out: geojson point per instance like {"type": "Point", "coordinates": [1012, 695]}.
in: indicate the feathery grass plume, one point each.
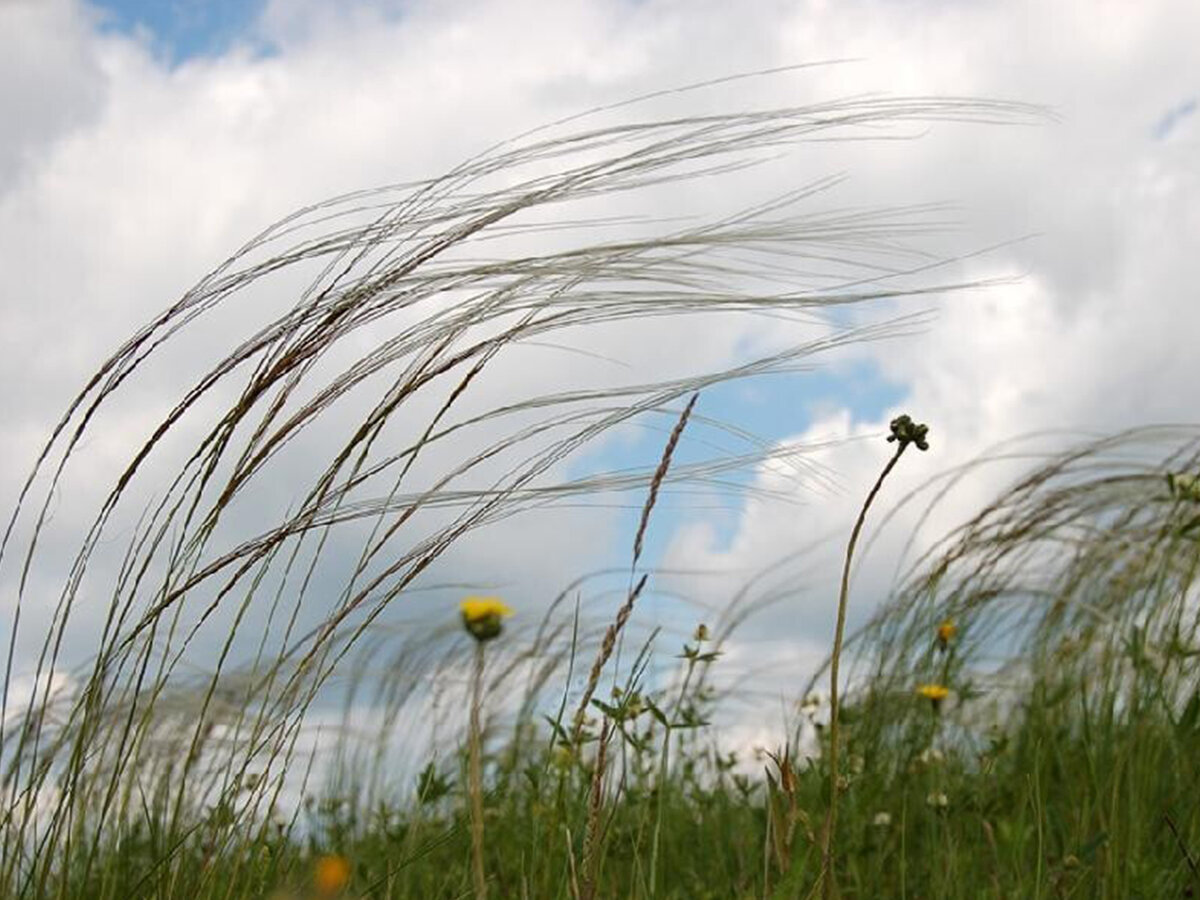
{"type": "Point", "coordinates": [904, 431]}
{"type": "Point", "coordinates": [349, 415]}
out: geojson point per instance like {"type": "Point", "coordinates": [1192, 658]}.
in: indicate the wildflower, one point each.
{"type": "Point", "coordinates": [934, 693]}
{"type": "Point", "coordinates": [937, 800]}
{"type": "Point", "coordinates": [482, 616]}
{"type": "Point", "coordinates": [332, 873]}
{"type": "Point", "coordinates": [946, 632]}
{"type": "Point", "coordinates": [882, 819]}
{"type": "Point", "coordinates": [931, 756]}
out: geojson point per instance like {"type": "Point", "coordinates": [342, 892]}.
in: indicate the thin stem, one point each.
{"type": "Point", "coordinates": [827, 875]}
{"type": "Point", "coordinates": [664, 771]}
{"type": "Point", "coordinates": [475, 774]}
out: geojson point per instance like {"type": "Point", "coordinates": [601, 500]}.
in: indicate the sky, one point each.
{"type": "Point", "coordinates": [144, 142]}
{"type": "Point", "coordinates": [179, 30]}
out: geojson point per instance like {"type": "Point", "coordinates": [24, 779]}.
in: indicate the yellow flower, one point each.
{"type": "Point", "coordinates": [934, 693]}
{"type": "Point", "coordinates": [482, 616]}
{"type": "Point", "coordinates": [946, 632]}
{"type": "Point", "coordinates": [332, 873]}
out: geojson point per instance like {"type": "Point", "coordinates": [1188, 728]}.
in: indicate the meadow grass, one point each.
{"type": "Point", "coordinates": [1064, 770]}
{"type": "Point", "coordinates": [1020, 718]}
{"type": "Point", "coordinates": [1059, 767]}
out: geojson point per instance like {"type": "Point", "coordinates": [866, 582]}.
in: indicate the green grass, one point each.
{"type": "Point", "coordinates": [1066, 772]}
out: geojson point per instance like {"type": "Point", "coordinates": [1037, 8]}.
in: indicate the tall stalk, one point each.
{"type": "Point", "coordinates": [483, 618]}
{"type": "Point", "coordinates": [475, 776]}
{"type": "Point", "coordinates": [904, 432]}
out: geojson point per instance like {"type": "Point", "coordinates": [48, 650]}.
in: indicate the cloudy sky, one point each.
{"type": "Point", "coordinates": [144, 141]}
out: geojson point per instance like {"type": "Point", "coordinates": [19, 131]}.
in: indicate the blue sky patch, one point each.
{"type": "Point", "coordinates": [771, 407]}
{"type": "Point", "coordinates": [182, 29]}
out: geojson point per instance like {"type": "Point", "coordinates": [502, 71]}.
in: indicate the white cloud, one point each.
{"type": "Point", "coordinates": [48, 69]}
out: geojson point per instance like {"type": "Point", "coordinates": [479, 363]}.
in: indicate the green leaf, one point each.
{"type": "Point", "coordinates": [557, 728]}
{"type": "Point", "coordinates": [613, 712]}
{"type": "Point", "coordinates": [658, 714]}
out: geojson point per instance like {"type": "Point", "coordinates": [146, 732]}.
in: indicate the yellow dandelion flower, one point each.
{"type": "Point", "coordinates": [934, 693]}
{"type": "Point", "coordinates": [331, 875]}
{"type": "Point", "coordinates": [482, 616]}
{"type": "Point", "coordinates": [946, 632]}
